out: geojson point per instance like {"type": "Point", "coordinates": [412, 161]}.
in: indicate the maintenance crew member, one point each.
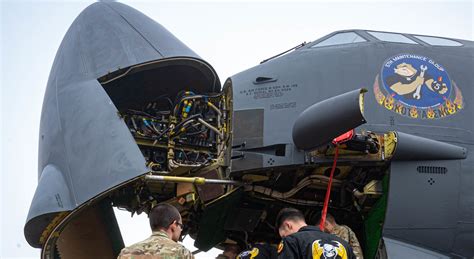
{"type": "Point", "coordinates": [344, 232]}
{"type": "Point", "coordinates": [302, 241]}
{"type": "Point", "coordinates": [166, 225]}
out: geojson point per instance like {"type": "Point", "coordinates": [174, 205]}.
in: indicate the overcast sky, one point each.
{"type": "Point", "coordinates": [231, 36]}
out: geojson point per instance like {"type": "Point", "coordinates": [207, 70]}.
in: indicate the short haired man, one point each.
{"type": "Point", "coordinates": [166, 225]}
{"type": "Point", "coordinates": [302, 241]}
{"type": "Point", "coordinates": [344, 232]}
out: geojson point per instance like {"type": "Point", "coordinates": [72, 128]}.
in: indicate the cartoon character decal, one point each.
{"type": "Point", "coordinates": [417, 87]}
{"type": "Point", "coordinates": [333, 250]}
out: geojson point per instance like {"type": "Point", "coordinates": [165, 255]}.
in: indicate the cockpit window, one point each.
{"type": "Point", "coordinates": [391, 37]}
{"type": "Point", "coordinates": [435, 41]}
{"type": "Point", "coordinates": [340, 38]}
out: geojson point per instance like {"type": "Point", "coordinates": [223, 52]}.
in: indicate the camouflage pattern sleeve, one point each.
{"type": "Point", "coordinates": [342, 232]}
{"type": "Point", "coordinates": [346, 233]}
{"type": "Point", "coordinates": [354, 243]}
{"type": "Point", "coordinates": [156, 247]}
{"type": "Point", "coordinates": [186, 253]}
{"type": "Point", "coordinates": [176, 253]}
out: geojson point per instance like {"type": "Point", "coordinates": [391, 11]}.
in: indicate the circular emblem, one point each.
{"type": "Point", "coordinates": [417, 87]}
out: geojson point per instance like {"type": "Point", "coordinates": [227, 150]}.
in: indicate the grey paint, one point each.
{"type": "Point", "coordinates": [85, 149]}
{"type": "Point", "coordinates": [248, 128]}
{"type": "Point", "coordinates": [246, 161]}
{"type": "Point", "coordinates": [410, 147]}
{"type": "Point", "coordinates": [101, 152]}
{"type": "Point", "coordinates": [317, 125]}
{"type": "Point", "coordinates": [53, 193]}
{"type": "Point", "coordinates": [52, 196]}
{"type": "Point", "coordinates": [423, 206]}
{"type": "Point", "coordinates": [398, 249]}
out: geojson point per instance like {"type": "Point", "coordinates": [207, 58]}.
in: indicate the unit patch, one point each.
{"type": "Point", "coordinates": [333, 250]}
{"type": "Point", "coordinates": [417, 87]}
{"type": "Point", "coordinates": [280, 247]}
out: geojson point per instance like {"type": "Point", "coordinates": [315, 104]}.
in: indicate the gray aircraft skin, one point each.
{"type": "Point", "coordinates": [110, 129]}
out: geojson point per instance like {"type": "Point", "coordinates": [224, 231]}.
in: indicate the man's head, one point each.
{"type": "Point", "coordinates": [329, 223]}
{"type": "Point", "coordinates": [289, 221]}
{"type": "Point", "coordinates": [166, 218]}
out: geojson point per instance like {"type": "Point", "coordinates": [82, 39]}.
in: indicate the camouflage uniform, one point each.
{"type": "Point", "coordinates": [157, 246]}
{"type": "Point", "coordinates": [346, 233]}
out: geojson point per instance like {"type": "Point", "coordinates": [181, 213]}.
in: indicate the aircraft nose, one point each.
{"type": "Point", "coordinates": [109, 36]}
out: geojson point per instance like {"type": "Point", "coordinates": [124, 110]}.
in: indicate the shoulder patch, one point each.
{"type": "Point", "coordinates": [332, 249]}
{"type": "Point", "coordinates": [251, 254]}
{"type": "Point", "coordinates": [280, 247]}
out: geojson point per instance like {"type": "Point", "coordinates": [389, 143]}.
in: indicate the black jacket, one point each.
{"type": "Point", "coordinates": [310, 242]}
